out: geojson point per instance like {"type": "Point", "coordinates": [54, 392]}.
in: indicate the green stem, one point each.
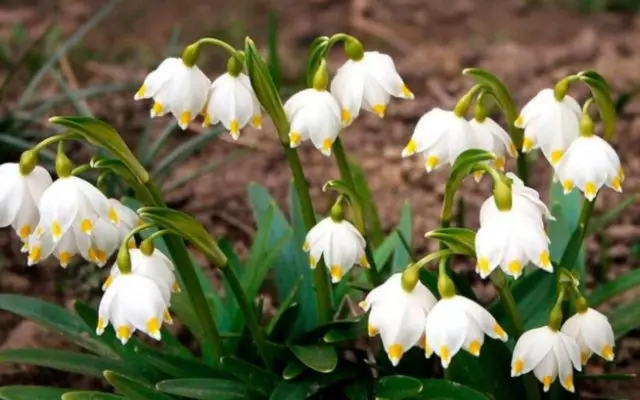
{"type": "Point", "coordinates": [323, 295]}
{"type": "Point", "coordinates": [571, 253]}
{"type": "Point", "coordinates": [54, 139]}
{"type": "Point", "coordinates": [224, 45]}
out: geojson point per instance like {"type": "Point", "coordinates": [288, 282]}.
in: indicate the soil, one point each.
{"type": "Point", "coordinates": [528, 46]}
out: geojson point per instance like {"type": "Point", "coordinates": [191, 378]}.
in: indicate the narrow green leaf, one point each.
{"type": "Point", "coordinates": [599, 222]}
{"type": "Point", "coordinates": [401, 256]}
{"type": "Point", "coordinates": [176, 366]}
{"type": "Point", "coordinates": [463, 165]}
{"type": "Point", "coordinates": [442, 389]}
{"type": "Point", "coordinates": [285, 306]}
{"type": "Point", "coordinates": [293, 370]}
{"type": "Point", "coordinates": [383, 253]}
{"type": "Point", "coordinates": [347, 331]}
{"type": "Point", "coordinates": [371, 214]}
{"type": "Point", "coordinates": [459, 240]}
{"type": "Point", "coordinates": [359, 390]}
{"type": "Point", "coordinates": [323, 359]}
{"type": "Point", "coordinates": [602, 96]}
{"type": "Point", "coordinates": [207, 389]}
{"type": "Point", "coordinates": [310, 385]}
{"type": "Point", "coordinates": [257, 379]}
{"type": "Point", "coordinates": [625, 318]}
{"type": "Point", "coordinates": [31, 393]}
{"type": "Point", "coordinates": [316, 52]}
{"type": "Point", "coordinates": [616, 287]}
{"type": "Point", "coordinates": [86, 395]}
{"type": "Point", "coordinates": [131, 389]}
{"type": "Point", "coordinates": [396, 387]}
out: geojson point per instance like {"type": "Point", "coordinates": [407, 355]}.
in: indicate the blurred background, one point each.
{"type": "Point", "coordinates": [88, 57]}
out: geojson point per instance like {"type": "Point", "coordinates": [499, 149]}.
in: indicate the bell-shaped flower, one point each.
{"type": "Point", "coordinates": [367, 83]}
{"type": "Point", "coordinates": [131, 303]}
{"type": "Point", "coordinates": [589, 163]}
{"type": "Point", "coordinates": [549, 354]}
{"type": "Point", "coordinates": [313, 114]}
{"type": "Point", "coordinates": [549, 124]}
{"type": "Point", "coordinates": [456, 323]}
{"type": "Point", "coordinates": [592, 332]}
{"type": "Point", "coordinates": [122, 217]}
{"type": "Point", "coordinates": [233, 102]}
{"type": "Point", "coordinates": [340, 245]}
{"type": "Point", "coordinates": [440, 136]}
{"type": "Point", "coordinates": [398, 315]}
{"type": "Point", "coordinates": [73, 220]}
{"type": "Point", "coordinates": [492, 137]}
{"type": "Point", "coordinates": [176, 88]}
{"type": "Point", "coordinates": [19, 198]}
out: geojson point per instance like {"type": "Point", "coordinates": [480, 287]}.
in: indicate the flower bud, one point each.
{"type": "Point", "coordinates": [28, 162]}
{"type": "Point", "coordinates": [354, 49]}
{"type": "Point", "coordinates": [190, 54]}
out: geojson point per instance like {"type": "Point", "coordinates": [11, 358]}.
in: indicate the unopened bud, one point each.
{"type": "Point", "coordinates": [28, 161]}
{"type": "Point", "coordinates": [354, 48]}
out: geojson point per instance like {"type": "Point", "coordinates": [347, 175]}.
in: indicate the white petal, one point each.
{"type": "Point", "coordinates": [445, 330]}
{"type": "Point", "coordinates": [481, 317]}
{"type": "Point", "coordinates": [347, 88]}
{"type": "Point", "coordinates": [38, 181]}
{"type": "Point", "coordinates": [597, 333]}
{"type": "Point", "coordinates": [530, 349]}
{"type": "Point", "coordinates": [489, 243]}
{"type": "Point", "coordinates": [12, 193]}
{"type": "Point", "coordinates": [547, 369]}
{"type": "Point", "coordinates": [59, 204]}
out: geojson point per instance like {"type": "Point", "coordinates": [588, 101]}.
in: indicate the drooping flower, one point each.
{"type": "Point", "coordinates": [490, 136]}
{"type": "Point", "coordinates": [549, 124]}
{"type": "Point", "coordinates": [549, 354]}
{"type": "Point", "coordinates": [397, 315]}
{"type": "Point", "coordinates": [124, 218]}
{"type": "Point", "coordinates": [340, 245]}
{"type": "Point", "coordinates": [73, 220]}
{"type": "Point", "coordinates": [19, 197]}
{"type": "Point", "coordinates": [440, 136]}
{"type": "Point", "coordinates": [592, 332]}
{"type": "Point", "coordinates": [313, 115]}
{"type": "Point", "coordinates": [132, 302]}
{"type": "Point", "coordinates": [456, 323]}
{"type": "Point", "coordinates": [590, 163]}
{"type": "Point", "coordinates": [233, 102]}
{"type": "Point", "coordinates": [176, 88]}
{"type": "Point", "coordinates": [367, 83]}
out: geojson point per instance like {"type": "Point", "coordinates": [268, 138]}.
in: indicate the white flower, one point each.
{"type": "Point", "coordinates": [155, 266]}
{"type": "Point", "coordinates": [440, 136]}
{"type": "Point", "coordinates": [73, 220]}
{"type": "Point", "coordinates": [131, 303]}
{"type": "Point", "coordinates": [589, 163]}
{"type": "Point", "coordinates": [549, 124]}
{"type": "Point", "coordinates": [397, 315]}
{"type": "Point", "coordinates": [492, 137]}
{"type": "Point", "coordinates": [124, 218]}
{"type": "Point", "coordinates": [593, 333]}
{"type": "Point", "coordinates": [456, 323]}
{"type": "Point", "coordinates": [313, 114]}
{"type": "Point", "coordinates": [339, 243]}
{"type": "Point", "coordinates": [233, 102]}
{"type": "Point", "coordinates": [368, 83]}
{"type": "Point", "coordinates": [19, 197]}
{"type": "Point", "coordinates": [176, 88]}
{"type": "Point", "coordinates": [548, 353]}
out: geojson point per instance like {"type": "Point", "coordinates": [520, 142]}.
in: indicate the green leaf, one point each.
{"type": "Point", "coordinates": [293, 370]}
{"type": "Point", "coordinates": [186, 226]}
{"type": "Point", "coordinates": [310, 384]}
{"type": "Point", "coordinates": [257, 379]}
{"type": "Point", "coordinates": [316, 53]}
{"type": "Point", "coordinates": [401, 256]}
{"type": "Point", "coordinates": [599, 222]}
{"type": "Point", "coordinates": [56, 319]}
{"type": "Point", "coordinates": [616, 287]}
{"type": "Point", "coordinates": [101, 134]}
{"type": "Point", "coordinates": [370, 211]}
{"type": "Point", "coordinates": [359, 390]}
{"type": "Point", "coordinates": [176, 366]}
{"type": "Point", "coordinates": [459, 240]}
{"type": "Point", "coordinates": [602, 95]}
{"type": "Point", "coordinates": [272, 42]}
{"type": "Point", "coordinates": [346, 330]}
{"type": "Point", "coordinates": [206, 389]}
{"type": "Point", "coordinates": [286, 305]}
{"type": "Point", "coordinates": [625, 318]}
{"type": "Point", "coordinates": [323, 359]}
{"type": "Point", "coordinates": [441, 389]}
{"type": "Point", "coordinates": [31, 393]}
{"type": "Point", "coordinates": [131, 389]}
{"type": "Point", "coordinates": [397, 387]}
{"type": "Point", "coordinates": [383, 253]}
{"type": "Point", "coordinates": [463, 165]}
{"type": "Point", "coordinates": [87, 395]}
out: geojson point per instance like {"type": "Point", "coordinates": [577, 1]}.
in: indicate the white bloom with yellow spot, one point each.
{"type": "Point", "coordinates": [233, 102]}
{"type": "Point", "coordinates": [590, 163]}
{"type": "Point", "coordinates": [313, 115]}
{"type": "Point", "coordinates": [549, 354]}
{"type": "Point", "coordinates": [397, 315]}
{"type": "Point", "coordinates": [176, 88]}
{"type": "Point", "coordinates": [122, 217]}
{"type": "Point", "coordinates": [73, 220]}
{"type": "Point", "coordinates": [440, 136]}
{"type": "Point", "coordinates": [19, 198]}
{"type": "Point", "coordinates": [456, 323]}
{"type": "Point", "coordinates": [367, 83]}
{"type": "Point", "coordinates": [132, 302]}
{"type": "Point", "coordinates": [340, 245]}
{"type": "Point", "coordinates": [490, 136]}
{"type": "Point", "coordinates": [593, 333]}
{"type": "Point", "coordinates": [549, 124]}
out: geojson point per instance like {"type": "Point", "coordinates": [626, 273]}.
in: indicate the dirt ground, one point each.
{"type": "Point", "coordinates": [529, 47]}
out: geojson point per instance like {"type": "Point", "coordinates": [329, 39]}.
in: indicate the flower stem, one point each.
{"type": "Point", "coordinates": [571, 251]}
{"type": "Point", "coordinates": [323, 295]}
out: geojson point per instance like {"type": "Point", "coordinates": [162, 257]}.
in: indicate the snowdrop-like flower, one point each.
{"type": "Point", "coordinates": [176, 88]}
{"type": "Point", "coordinates": [549, 124]}
{"type": "Point", "coordinates": [397, 315]}
{"type": "Point", "coordinates": [19, 197]}
{"type": "Point", "coordinates": [131, 303]}
{"type": "Point", "coordinates": [73, 220]}
{"type": "Point", "coordinates": [492, 137]}
{"type": "Point", "coordinates": [456, 323]}
{"type": "Point", "coordinates": [593, 333]}
{"type": "Point", "coordinates": [339, 243]}
{"type": "Point", "coordinates": [367, 83]}
{"type": "Point", "coordinates": [124, 218]}
{"type": "Point", "coordinates": [233, 102]}
{"type": "Point", "coordinates": [313, 114]}
{"type": "Point", "coordinates": [589, 163]}
{"type": "Point", "coordinates": [548, 353]}
{"type": "Point", "coordinates": [440, 136]}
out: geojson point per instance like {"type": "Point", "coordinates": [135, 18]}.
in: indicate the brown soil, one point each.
{"type": "Point", "coordinates": [529, 47]}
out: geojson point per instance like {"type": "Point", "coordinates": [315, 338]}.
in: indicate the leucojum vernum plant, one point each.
{"type": "Point", "coordinates": [339, 279]}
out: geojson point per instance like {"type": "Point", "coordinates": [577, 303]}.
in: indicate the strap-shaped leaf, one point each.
{"type": "Point", "coordinates": [459, 240]}
{"type": "Point", "coordinates": [602, 95]}
{"type": "Point", "coordinates": [465, 162]}
{"type": "Point", "coordinates": [625, 318]}
{"type": "Point", "coordinates": [444, 389]}
{"type": "Point", "coordinates": [257, 379]}
{"type": "Point", "coordinates": [293, 369]}
{"type": "Point", "coordinates": [206, 389]}
{"type": "Point", "coordinates": [31, 393]}
{"type": "Point", "coordinates": [323, 359]}
{"type": "Point", "coordinates": [87, 395]}
{"type": "Point", "coordinates": [176, 366]}
{"type": "Point", "coordinates": [310, 384]}
{"type": "Point", "coordinates": [616, 287]}
{"type": "Point", "coordinates": [132, 389]}
{"type": "Point", "coordinates": [397, 387]}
